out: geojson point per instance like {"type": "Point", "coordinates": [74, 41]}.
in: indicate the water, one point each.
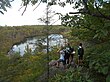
{"type": "Point", "coordinates": [33, 43]}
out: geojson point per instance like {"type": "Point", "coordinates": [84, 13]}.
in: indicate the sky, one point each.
{"type": "Point", "coordinates": [13, 16]}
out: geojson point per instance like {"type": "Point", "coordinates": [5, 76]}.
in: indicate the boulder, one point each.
{"type": "Point", "coordinates": [53, 63]}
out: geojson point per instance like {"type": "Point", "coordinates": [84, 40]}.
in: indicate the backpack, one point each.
{"type": "Point", "coordinates": [80, 51]}
{"type": "Point", "coordinates": [72, 49]}
{"type": "Point", "coordinates": [68, 50]}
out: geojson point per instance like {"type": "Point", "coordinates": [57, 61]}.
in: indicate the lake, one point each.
{"type": "Point", "coordinates": [39, 41]}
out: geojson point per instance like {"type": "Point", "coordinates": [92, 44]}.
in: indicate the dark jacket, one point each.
{"type": "Point", "coordinates": [80, 51]}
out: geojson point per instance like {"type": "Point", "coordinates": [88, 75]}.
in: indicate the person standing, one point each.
{"type": "Point", "coordinates": [80, 54]}
{"type": "Point", "coordinates": [72, 54]}
{"type": "Point", "coordinates": [67, 53]}
{"type": "Point", "coordinates": [61, 59]}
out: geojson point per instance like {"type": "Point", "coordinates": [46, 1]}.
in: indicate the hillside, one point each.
{"type": "Point", "coordinates": [32, 68]}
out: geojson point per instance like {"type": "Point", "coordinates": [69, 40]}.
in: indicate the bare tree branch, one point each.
{"type": "Point", "coordinates": [24, 9]}
{"type": "Point", "coordinates": [86, 10]}
{"type": "Point", "coordinates": [99, 10]}
{"type": "Point", "coordinates": [85, 5]}
{"type": "Point", "coordinates": [38, 5]}
{"type": "Point", "coordinates": [55, 21]}
{"type": "Point", "coordinates": [92, 14]}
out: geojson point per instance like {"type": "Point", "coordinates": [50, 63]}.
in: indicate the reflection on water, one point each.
{"type": "Point", "coordinates": [33, 43]}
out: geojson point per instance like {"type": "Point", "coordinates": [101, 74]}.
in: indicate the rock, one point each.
{"type": "Point", "coordinates": [53, 63]}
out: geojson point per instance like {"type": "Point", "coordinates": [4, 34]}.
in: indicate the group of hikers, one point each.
{"type": "Point", "coordinates": [67, 53]}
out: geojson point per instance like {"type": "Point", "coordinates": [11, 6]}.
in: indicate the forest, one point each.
{"type": "Point", "coordinates": [26, 68]}
{"type": "Point", "coordinates": [89, 25]}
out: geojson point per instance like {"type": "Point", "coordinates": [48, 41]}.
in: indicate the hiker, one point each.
{"type": "Point", "coordinates": [72, 54]}
{"type": "Point", "coordinates": [67, 53]}
{"type": "Point", "coordinates": [80, 54]}
{"type": "Point", "coordinates": [61, 59]}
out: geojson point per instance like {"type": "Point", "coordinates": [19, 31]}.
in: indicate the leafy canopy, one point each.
{"type": "Point", "coordinates": [83, 6]}
{"type": "Point", "coordinates": [4, 4]}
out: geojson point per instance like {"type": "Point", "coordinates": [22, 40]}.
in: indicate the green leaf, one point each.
{"type": "Point", "coordinates": [105, 32]}
{"type": "Point", "coordinates": [108, 78]}
{"type": "Point", "coordinates": [8, 3]}
{"type": "Point", "coordinates": [89, 81]}
{"type": "Point", "coordinates": [44, 1]}
{"type": "Point", "coordinates": [101, 1]}
{"type": "Point", "coordinates": [3, 7]}
{"type": "Point", "coordinates": [34, 2]}
{"type": "Point", "coordinates": [105, 70]}
{"type": "Point", "coordinates": [95, 36]}
{"type": "Point", "coordinates": [91, 64]}
{"type": "Point", "coordinates": [1, 12]}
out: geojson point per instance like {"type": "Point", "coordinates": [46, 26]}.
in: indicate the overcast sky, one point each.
{"type": "Point", "coordinates": [13, 17]}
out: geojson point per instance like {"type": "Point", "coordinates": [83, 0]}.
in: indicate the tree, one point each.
{"type": "Point", "coordinates": [4, 4]}
{"type": "Point", "coordinates": [91, 24]}
{"type": "Point", "coordinates": [96, 8]}
{"type": "Point", "coordinates": [90, 7]}
{"type": "Point", "coordinates": [91, 21]}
